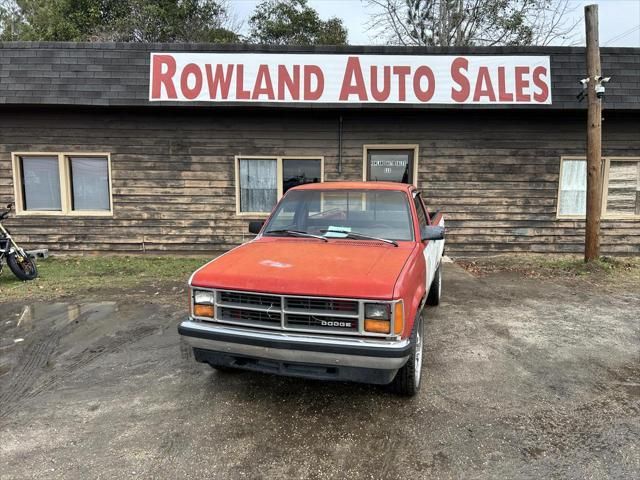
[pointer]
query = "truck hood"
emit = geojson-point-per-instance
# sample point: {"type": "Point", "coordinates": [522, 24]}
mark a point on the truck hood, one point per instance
{"type": "Point", "coordinates": [338, 268]}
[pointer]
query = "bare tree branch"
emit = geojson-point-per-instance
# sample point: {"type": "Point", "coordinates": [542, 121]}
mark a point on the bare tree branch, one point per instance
{"type": "Point", "coordinates": [472, 22]}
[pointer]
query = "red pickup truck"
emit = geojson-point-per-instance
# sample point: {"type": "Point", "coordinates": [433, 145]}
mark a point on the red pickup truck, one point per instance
{"type": "Point", "coordinates": [332, 287]}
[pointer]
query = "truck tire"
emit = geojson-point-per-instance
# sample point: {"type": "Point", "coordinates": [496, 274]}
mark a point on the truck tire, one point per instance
{"type": "Point", "coordinates": [407, 381]}
{"type": "Point", "coordinates": [22, 267]}
{"type": "Point", "coordinates": [433, 299]}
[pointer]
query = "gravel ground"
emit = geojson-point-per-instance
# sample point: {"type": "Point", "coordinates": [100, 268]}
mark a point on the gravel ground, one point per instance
{"type": "Point", "coordinates": [523, 378]}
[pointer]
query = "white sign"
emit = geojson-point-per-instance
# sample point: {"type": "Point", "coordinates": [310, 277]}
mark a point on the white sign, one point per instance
{"type": "Point", "coordinates": [311, 78]}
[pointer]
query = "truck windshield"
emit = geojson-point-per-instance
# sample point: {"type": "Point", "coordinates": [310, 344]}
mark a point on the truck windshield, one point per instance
{"type": "Point", "coordinates": [338, 213]}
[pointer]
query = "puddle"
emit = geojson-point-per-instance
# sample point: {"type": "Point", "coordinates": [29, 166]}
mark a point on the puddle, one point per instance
{"type": "Point", "coordinates": [60, 313]}
{"type": "Point", "coordinates": [38, 325]}
{"type": "Point", "coordinates": [632, 389]}
{"type": "Point", "coordinates": [43, 343]}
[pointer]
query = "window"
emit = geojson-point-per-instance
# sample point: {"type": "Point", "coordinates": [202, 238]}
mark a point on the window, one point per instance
{"type": "Point", "coordinates": [620, 192]}
{"type": "Point", "coordinates": [622, 195]}
{"type": "Point", "coordinates": [40, 183]}
{"type": "Point", "coordinates": [261, 181]}
{"type": "Point", "coordinates": [334, 213]}
{"type": "Point", "coordinates": [298, 172]}
{"type": "Point", "coordinates": [62, 184]}
{"type": "Point", "coordinates": [89, 183]}
{"type": "Point", "coordinates": [572, 194]}
{"type": "Point", "coordinates": [422, 216]}
{"type": "Point", "coordinates": [390, 163]}
{"type": "Point", "coordinates": [258, 185]}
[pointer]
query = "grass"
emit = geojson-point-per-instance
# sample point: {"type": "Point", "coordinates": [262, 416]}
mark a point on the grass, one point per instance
{"type": "Point", "coordinates": [573, 266]}
{"type": "Point", "coordinates": [76, 275]}
{"type": "Point", "coordinates": [65, 276]}
{"type": "Point", "coordinates": [577, 266]}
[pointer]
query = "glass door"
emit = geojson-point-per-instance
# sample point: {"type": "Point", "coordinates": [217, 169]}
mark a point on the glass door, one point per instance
{"type": "Point", "coordinates": [390, 165]}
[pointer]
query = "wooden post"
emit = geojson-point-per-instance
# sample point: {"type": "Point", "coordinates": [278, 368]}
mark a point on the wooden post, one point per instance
{"type": "Point", "coordinates": [594, 137]}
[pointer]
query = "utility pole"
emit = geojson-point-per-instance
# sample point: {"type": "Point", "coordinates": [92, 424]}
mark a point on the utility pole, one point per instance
{"type": "Point", "coordinates": [594, 137]}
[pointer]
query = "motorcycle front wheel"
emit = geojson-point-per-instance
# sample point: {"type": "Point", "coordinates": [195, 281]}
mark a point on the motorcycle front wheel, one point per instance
{"type": "Point", "coordinates": [22, 267]}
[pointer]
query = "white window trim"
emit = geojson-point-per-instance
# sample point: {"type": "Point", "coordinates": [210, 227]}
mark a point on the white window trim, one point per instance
{"type": "Point", "coordinates": [392, 146]}
{"type": "Point", "coordinates": [605, 189]}
{"type": "Point", "coordinates": [606, 164]}
{"type": "Point", "coordinates": [65, 185]}
{"type": "Point", "coordinates": [279, 177]}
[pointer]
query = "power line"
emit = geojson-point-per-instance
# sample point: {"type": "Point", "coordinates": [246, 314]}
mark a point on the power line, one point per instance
{"type": "Point", "coordinates": [622, 35]}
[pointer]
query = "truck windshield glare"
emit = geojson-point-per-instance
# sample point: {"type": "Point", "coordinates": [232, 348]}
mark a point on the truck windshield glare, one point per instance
{"type": "Point", "coordinates": [336, 213]}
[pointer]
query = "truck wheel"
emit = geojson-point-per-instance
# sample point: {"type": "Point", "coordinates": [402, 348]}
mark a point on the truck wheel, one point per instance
{"type": "Point", "coordinates": [435, 291]}
{"type": "Point", "coordinates": [407, 380]}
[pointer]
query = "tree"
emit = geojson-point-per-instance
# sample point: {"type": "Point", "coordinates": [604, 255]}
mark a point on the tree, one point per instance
{"type": "Point", "coordinates": [11, 21]}
{"type": "Point", "coordinates": [117, 20]}
{"type": "Point", "coordinates": [472, 22]}
{"type": "Point", "coordinates": [293, 22]}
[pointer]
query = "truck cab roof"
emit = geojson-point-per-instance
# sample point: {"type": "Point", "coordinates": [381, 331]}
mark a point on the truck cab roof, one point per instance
{"type": "Point", "coordinates": [405, 187]}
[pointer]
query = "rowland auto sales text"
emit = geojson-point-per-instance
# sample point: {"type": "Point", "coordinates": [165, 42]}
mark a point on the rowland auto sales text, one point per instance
{"type": "Point", "coordinates": [322, 78]}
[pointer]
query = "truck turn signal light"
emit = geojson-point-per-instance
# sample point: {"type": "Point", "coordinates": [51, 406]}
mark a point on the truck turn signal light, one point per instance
{"type": "Point", "coordinates": [203, 310]}
{"type": "Point", "coordinates": [377, 326]}
{"type": "Point", "coordinates": [398, 319]}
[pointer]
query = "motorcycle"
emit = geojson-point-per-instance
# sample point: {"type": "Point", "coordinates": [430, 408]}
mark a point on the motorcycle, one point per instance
{"type": "Point", "coordinates": [20, 263]}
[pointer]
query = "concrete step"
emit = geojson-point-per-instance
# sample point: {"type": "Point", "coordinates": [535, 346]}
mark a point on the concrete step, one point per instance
{"type": "Point", "coordinates": [39, 253]}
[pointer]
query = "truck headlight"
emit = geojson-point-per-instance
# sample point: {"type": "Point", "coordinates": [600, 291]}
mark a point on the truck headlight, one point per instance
{"type": "Point", "coordinates": [377, 318]}
{"type": "Point", "coordinates": [203, 303]}
{"type": "Point", "coordinates": [203, 297]}
{"type": "Point", "coordinates": [377, 311]}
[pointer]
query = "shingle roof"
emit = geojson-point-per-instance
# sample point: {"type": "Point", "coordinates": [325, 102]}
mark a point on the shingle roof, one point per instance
{"type": "Point", "coordinates": [117, 74]}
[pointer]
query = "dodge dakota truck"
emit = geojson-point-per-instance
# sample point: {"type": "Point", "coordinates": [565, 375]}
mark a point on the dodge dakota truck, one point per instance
{"type": "Point", "coordinates": [332, 287]}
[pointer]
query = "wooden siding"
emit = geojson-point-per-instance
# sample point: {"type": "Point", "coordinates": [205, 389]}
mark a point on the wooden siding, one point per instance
{"type": "Point", "coordinates": [494, 174]}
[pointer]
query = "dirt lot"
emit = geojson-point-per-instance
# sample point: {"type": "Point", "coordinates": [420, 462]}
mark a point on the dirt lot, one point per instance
{"type": "Point", "coordinates": [526, 377]}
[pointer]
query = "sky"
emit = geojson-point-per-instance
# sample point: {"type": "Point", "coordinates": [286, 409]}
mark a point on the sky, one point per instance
{"type": "Point", "coordinates": [619, 19]}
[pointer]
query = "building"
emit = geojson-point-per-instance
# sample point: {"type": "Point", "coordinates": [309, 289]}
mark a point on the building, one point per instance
{"type": "Point", "coordinates": [121, 147]}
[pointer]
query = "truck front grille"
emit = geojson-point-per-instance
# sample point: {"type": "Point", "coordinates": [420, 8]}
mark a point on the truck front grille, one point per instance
{"type": "Point", "coordinates": [250, 300]}
{"type": "Point", "coordinates": [321, 322]}
{"type": "Point", "coordinates": [253, 316]}
{"type": "Point", "coordinates": [291, 313]}
{"type": "Point", "coordinates": [322, 304]}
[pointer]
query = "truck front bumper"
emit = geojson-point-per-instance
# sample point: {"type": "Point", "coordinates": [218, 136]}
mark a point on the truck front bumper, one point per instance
{"type": "Point", "coordinates": [283, 353]}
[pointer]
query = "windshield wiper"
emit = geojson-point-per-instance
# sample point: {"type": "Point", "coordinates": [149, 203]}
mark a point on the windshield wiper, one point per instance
{"type": "Point", "coordinates": [361, 235]}
{"type": "Point", "coordinates": [298, 233]}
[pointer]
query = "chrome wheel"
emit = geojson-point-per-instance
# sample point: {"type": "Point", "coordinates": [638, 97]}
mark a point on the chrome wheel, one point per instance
{"type": "Point", "coordinates": [418, 354]}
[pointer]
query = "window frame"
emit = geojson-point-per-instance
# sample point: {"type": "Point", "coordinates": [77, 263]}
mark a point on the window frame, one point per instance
{"type": "Point", "coordinates": [64, 172]}
{"type": "Point", "coordinates": [417, 197]}
{"type": "Point", "coordinates": [279, 177]}
{"type": "Point", "coordinates": [606, 164]}
{"type": "Point", "coordinates": [605, 188]}
{"type": "Point", "coordinates": [391, 146]}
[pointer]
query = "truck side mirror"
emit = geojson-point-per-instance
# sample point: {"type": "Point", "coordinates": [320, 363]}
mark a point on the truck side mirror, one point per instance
{"type": "Point", "coordinates": [256, 226]}
{"type": "Point", "coordinates": [431, 232]}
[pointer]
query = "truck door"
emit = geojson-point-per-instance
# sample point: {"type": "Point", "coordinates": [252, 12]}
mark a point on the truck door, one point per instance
{"type": "Point", "coordinates": [430, 249]}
